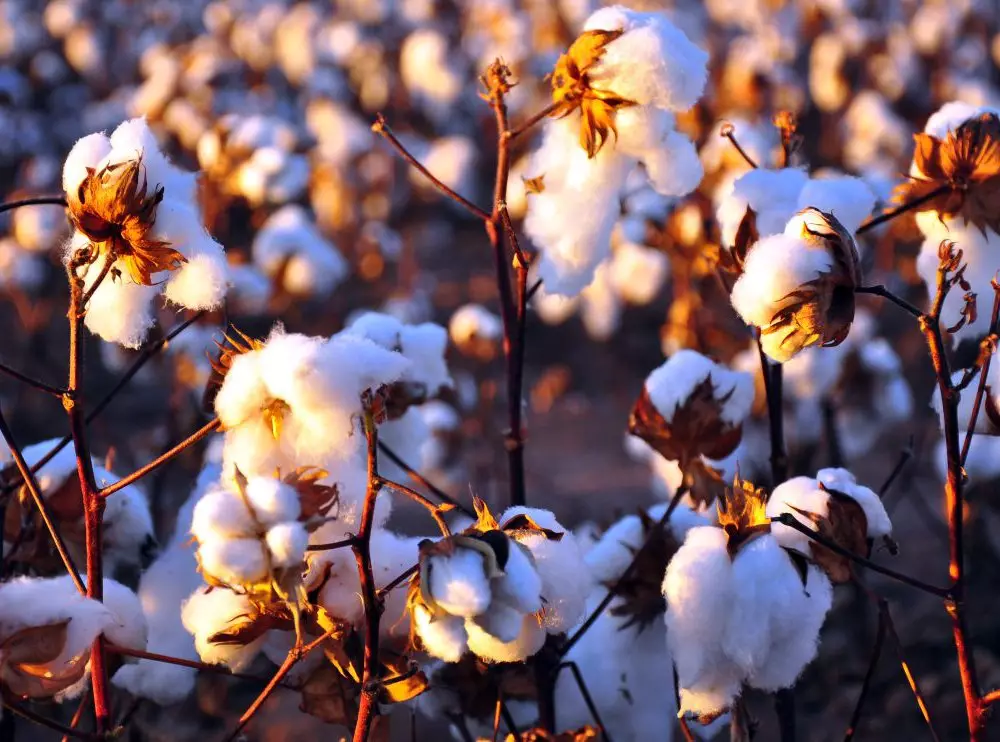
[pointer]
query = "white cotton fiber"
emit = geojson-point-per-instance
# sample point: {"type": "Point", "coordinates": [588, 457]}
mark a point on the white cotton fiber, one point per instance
{"type": "Point", "coordinates": [423, 345]}
{"type": "Point", "coordinates": [521, 585]}
{"type": "Point", "coordinates": [287, 543]}
{"type": "Point", "coordinates": [234, 561]}
{"type": "Point", "coordinates": [220, 514]}
{"type": "Point", "coordinates": [273, 501]}
{"type": "Point", "coordinates": [849, 199]}
{"type": "Point", "coordinates": [772, 194]}
{"type": "Point", "coordinates": [798, 493]}
{"type": "Point", "coordinates": [211, 610]}
{"type": "Point", "coordinates": [775, 267]}
{"type": "Point", "coordinates": [670, 385]}
{"type": "Point", "coordinates": [459, 584]}
{"type": "Point", "coordinates": [875, 513]}
{"type": "Point", "coordinates": [528, 641]}
{"type": "Point", "coordinates": [444, 637]}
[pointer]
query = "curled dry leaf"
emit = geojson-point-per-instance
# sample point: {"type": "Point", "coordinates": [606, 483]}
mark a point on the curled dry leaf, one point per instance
{"type": "Point", "coordinates": [732, 260]}
{"type": "Point", "coordinates": [965, 167]}
{"type": "Point", "coordinates": [819, 311]}
{"type": "Point", "coordinates": [572, 89]}
{"type": "Point", "coordinates": [743, 514]}
{"type": "Point", "coordinates": [113, 208]}
{"type": "Point", "coordinates": [316, 498]}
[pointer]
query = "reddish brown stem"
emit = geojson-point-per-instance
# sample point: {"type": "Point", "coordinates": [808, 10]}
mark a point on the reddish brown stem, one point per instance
{"type": "Point", "coordinates": [984, 371]}
{"type": "Point", "coordinates": [382, 128]}
{"type": "Point", "coordinates": [434, 509]}
{"type": "Point", "coordinates": [168, 660]}
{"type": "Point", "coordinates": [533, 120]}
{"type": "Point", "coordinates": [162, 459]}
{"type": "Point", "coordinates": [93, 505]}
{"type": "Point", "coordinates": [368, 704]}
{"type": "Point", "coordinates": [422, 480]}
{"type": "Point", "coordinates": [37, 201]}
{"type": "Point", "coordinates": [892, 213]}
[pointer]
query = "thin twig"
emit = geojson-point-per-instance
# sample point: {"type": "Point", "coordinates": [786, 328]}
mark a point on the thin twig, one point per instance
{"type": "Point", "coordinates": [397, 581]}
{"type": "Point", "coordinates": [37, 201]}
{"type": "Point", "coordinates": [343, 543]}
{"type": "Point", "coordinates": [866, 683]}
{"type": "Point", "coordinates": [35, 383]}
{"type": "Point", "coordinates": [180, 662]}
{"type": "Point", "coordinates": [532, 120]}
{"type": "Point", "coordinates": [587, 698]}
{"type": "Point", "coordinates": [983, 374]}
{"type": "Point", "coordinates": [43, 509]}
{"type": "Point", "coordinates": [886, 294]}
{"type": "Point", "coordinates": [43, 721]}
{"type": "Point", "coordinates": [892, 213]}
{"type": "Point", "coordinates": [422, 480]}
{"type": "Point", "coordinates": [162, 459]}
{"type": "Point", "coordinates": [729, 132]}
{"type": "Point", "coordinates": [787, 519]}
{"type": "Point", "coordinates": [382, 128]}
{"type": "Point", "coordinates": [78, 714]}
{"type": "Point", "coordinates": [911, 679]}
{"type": "Point", "coordinates": [434, 509]}
{"type": "Point", "coordinates": [904, 458]}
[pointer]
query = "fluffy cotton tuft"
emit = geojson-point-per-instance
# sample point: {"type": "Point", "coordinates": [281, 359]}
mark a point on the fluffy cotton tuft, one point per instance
{"type": "Point", "coordinates": [423, 345]}
{"type": "Point", "coordinates": [671, 384]}
{"type": "Point", "coordinates": [211, 610]}
{"type": "Point", "coordinates": [121, 311]}
{"type": "Point", "coordinates": [289, 245]}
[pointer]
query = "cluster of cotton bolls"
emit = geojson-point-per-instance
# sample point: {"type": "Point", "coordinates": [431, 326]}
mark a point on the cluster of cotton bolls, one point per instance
{"type": "Point", "coordinates": [160, 210]}
{"type": "Point", "coordinates": [497, 592]}
{"type": "Point", "coordinates": [743, 608]}
{"type": "Point", "coordinates": [47, 629]}
{"type": "Point", "coordinates": [653, 66]}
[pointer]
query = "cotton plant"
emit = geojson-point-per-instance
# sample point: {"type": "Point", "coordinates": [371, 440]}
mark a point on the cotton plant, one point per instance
{"type": "Point", "coordinates": [138, 233]}
{"type": "Point", "coordinates": [497, 588]}
{"type": "Point", "coordinates": [127, 538]}
{"type": "Point", "coordinates": [617, 91]}
{"type": "Point", "coordinates": [955, 171]}
{"type": "Point", "coordinates": [47, 630]}
{"type": "Point", "coordinates": [476, 331]}
{"type": "Point", "coordinates": [746, 599]}
{"type": "Point", "coordinates": [298, 260]}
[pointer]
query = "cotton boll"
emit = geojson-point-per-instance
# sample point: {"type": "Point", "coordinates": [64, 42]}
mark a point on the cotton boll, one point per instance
{"type": "Point", "coordinates": [128, 629]}
{"type": "Point", "coordinates": [501, 621]}
{"type": "Point", "coordinates": [849, 199]}
{"type": "Point", "coordinates": [670, 385]}
{"type": "Point", "coordinates": [638, 272]}
{"type": "Point", "coordinates": [458, 583]}
{"type": "Point", "coordinates": [443, 637]}
{"type": "Point", "coordinates": [128, 527]}
{"type": "Point", "coordinates": [528, 641]}
{"type": "Point", "coordinates": [422, 344]}
{"type": "Point", "coordinates": [287, 543]}
{"type": "Point", "coordinates": [211, 610]}
{"type": "Point", "coordinates": [288, 242]}
{"type": "Point", "coordinates": [273, 501]}
{"type": "Point", "coordinates": [236, 561]}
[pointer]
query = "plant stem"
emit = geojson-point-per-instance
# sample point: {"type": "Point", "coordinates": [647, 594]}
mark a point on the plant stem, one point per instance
{"type": "Point", "coordinates": [35, 383]}
{"type": "Point", "coordinates": [892, 213]}
{"type": "Point", "coordinates": [983, 374]}
{"type": "Point", "coordinates": [37, 201]}
{"type": "Point", "coordinates": [531, 121]}
{"type": "Point", "coordinates": [866, 683]}
{"type": "Point", "coordinates": [422, 480]}
{"type": "Point", "coordinates": [93, 505]}
{"type": "Point", "coordinates": [367, 707]}
{"type": "Point", "coordinates": [433, 509]}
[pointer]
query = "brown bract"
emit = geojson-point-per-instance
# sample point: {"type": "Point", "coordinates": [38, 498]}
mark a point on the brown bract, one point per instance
{"type": "Point", "coordinates": [113, 208]}
{"type": "Point", "coordinates": [965, 167]}
{"type": "Point", "coordinates": [572, 90]}
{"type": "Point", "coordinates": [696, 428]}
{"type": "Point", "coordinates": [743, 514]}
{"type": "Point", "coordinates": [25, 658]}
{"type": "Point", "coordinates": [820, 311]}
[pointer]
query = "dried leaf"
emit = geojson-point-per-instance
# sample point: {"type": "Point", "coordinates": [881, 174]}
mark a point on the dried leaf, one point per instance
{"type": "Point", "coordinates": [330, 697]}
{"type": "Point", "coordinates": [534, 185]}
{"type": "Point", "coordinates": [35, 645]}
{"type": "Point", "coordinates": [640, 595]}
{"type": "Point", "coordinates": [743, 514]}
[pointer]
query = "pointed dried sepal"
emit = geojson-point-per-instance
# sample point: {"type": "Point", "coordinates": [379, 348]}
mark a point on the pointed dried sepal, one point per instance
{"type": "Point", "coordinates": [743, 514]}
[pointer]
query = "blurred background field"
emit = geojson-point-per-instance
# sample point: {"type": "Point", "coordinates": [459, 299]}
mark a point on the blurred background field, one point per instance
{"type": "Point", "coordinates": [273, 102]}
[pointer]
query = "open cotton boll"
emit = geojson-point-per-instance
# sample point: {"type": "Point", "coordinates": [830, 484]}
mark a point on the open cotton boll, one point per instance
{"type": "Point", "coordinates": [502, 622]}
{"type": "Point", "coordinates": [843, 481]}
{"type": "Point", "coordinates": [443, 637]}
{"type": "Point", "coordinates": [459, 584]}
{"type": "Point", "coordinates": [652, 62]}
{"type": "Point", "coordinates": [472, 321]}
{"type": "Point", "coordinates": [772, 194]}
{"type": "Point", "coordinates": [210, 610]}
{"type": "Point", "coordinates": [428, 72]}
{"type": "Point", "coordinates": [200, 283]}
{"type": "Point", "coordinates": [121, 312]}
{"type": "Point", "coordinates": [849, 199]}
{"type": "Point", "coordinates": [672, 383]}
{"type": "Point", "coordinates": [698, 586]}
{"type": "Point", "coordinates": [422, 344]}
{"type": "Point", "coordinates": [487, 647]}
{"type": "Point", "coordinates": [234, 561]}
{"type": "Point", "coordinates": [128, 626]}
{"type": "Point", "coordinates": [775, 267]}
{"type": "Point", "coordinates": [128, 527]}
{"type": "Point", "coordinates": [287, 543]}
{"type": "Point", "coordinates": [86, 153]}
{"type": "Point", "coordinates": [565, 582]}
